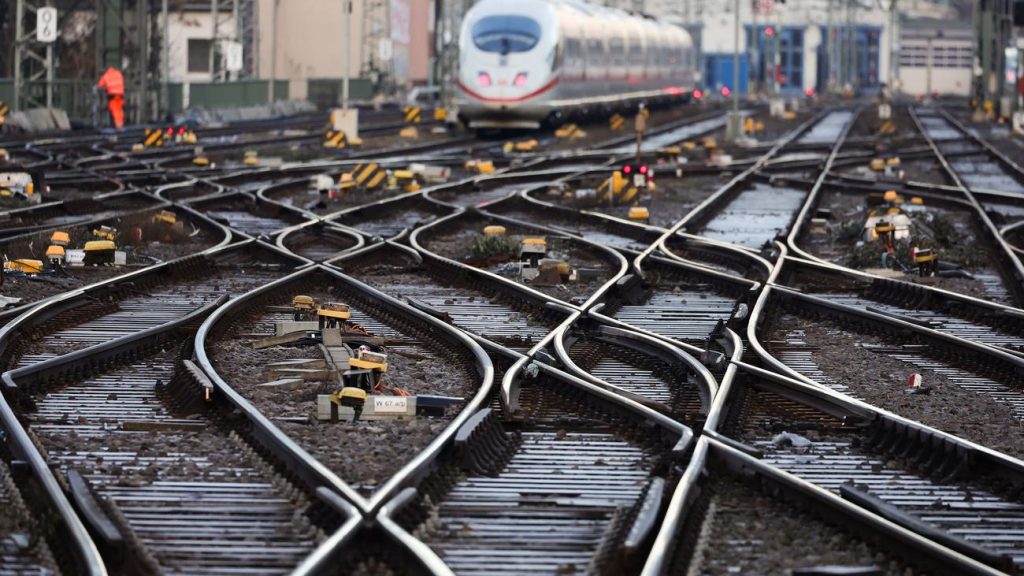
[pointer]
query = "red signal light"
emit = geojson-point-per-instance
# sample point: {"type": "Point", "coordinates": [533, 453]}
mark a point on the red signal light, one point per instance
{"type": "Point", "coordinates": [643, 169]}
{"type": "Point", "coordinates": [181, 130]}
{"type": "Point", "coordinates": [726, 91]}
{"type": "Point", "coordinates": [698, 94]}
{"type": "Point", "coordinates": [769, 31]}
{"type": "Point", "coordinates": [809, 91]}
{"type": "Point", "coordinates": [627, 169]}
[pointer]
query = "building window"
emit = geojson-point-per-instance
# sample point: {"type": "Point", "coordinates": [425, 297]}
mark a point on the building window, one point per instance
{"type": "Point", "coordinates": [198, 55]}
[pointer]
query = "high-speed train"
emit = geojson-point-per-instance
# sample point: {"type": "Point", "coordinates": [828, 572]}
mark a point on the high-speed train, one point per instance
{"type": "Point", "coordinates": [532, 62]}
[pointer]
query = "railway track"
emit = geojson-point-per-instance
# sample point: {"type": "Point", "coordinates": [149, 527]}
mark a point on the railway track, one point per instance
{"type": "Point", "coordinates": [422, 360]}
{"type": "Point", "coordinates": [169, 489]}
{"type": "Point", "coordinates": [914, 476]}
{"type": "Point", "coordinates": [149, 298]}
{"type": "Point", "coordinates": [606, 425]}
{"type": "Point", "coordinates": [494, 497]}
{"type": "Point", "coordinates": [483, 306]}
{"type": "Point", "coordinates": [803, 332]}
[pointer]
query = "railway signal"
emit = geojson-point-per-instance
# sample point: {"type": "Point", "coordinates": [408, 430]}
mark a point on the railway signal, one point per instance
{"type": "Point", "coordinates": [640, 174]}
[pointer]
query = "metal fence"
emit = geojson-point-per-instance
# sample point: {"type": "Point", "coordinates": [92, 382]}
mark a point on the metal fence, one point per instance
{"type": "Point", "coordinates": [78, 98]}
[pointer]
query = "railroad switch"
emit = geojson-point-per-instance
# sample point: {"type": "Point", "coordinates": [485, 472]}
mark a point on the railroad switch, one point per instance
{"type": "Point", "coordinates": [331, 314]}
{"type": "Point", "coordinates": [926, 259]}
{"type": "Point", "coordinates": [305, 308]}
{"type": "Point", "coordinates": [532, 250]}
{"type": "Point", "coordinates": [551, 272]}
{"type": "Point", "coordinates": [570, 132]}
{"type": "Point", "coordinates": [409, 133]}
{"type": "Point", "coordinates": [479, 166]}
{"type": "Point", "coordinates": [354, 398]}
{"type": "Point", "coordinates": [165, 217]}
{"type": "Point", "coordinates": [404, 179]}
{"type": "Point", "coordinates": [430, 173]}
{"type": "Point", "coordinates": [102, 252]}
{"type": "Point", "coordinates": [25, 266]}
{"type": "Point", "coordinates": [60, 238]}
{"type": "Point", "coordinates": [251, 158]}
{"type": "Point", "coordinates": [19, 188]}
{"type": "Point", "coordinates": [105, 233]}
{"type": "Point", "coordinates": [639, 214]}
{"type": "Point", "coordinates": [521, 146]}
{"type": "Point", "coordinates": [55, 255]}
{"type": "Point", "coordinates": [494, 230]}
{"type": "Point", "coordinates": [751, 126]}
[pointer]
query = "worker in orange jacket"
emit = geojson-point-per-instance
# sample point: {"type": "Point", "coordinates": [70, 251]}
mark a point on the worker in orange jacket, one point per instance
{"type": "Point", "coordinates": [113, 82]}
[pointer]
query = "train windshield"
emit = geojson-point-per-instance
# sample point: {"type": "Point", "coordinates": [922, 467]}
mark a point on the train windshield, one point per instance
{"type": "Point", "coordinates": [506, 34]}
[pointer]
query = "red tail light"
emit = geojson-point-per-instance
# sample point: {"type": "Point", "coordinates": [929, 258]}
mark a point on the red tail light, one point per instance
{"type": "Point", "coordinates": [485, 79]}
{"type": "Point", "coordinates": [520, 79]}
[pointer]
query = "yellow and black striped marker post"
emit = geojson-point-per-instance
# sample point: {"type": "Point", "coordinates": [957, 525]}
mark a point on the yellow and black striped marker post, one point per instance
{"type": "Point", "coordinates": [628, 195]}
{"type": "Point", "coordinates": [369, 176]}
{"type": "Point", "coordinates": [412, 114]}
{"type": "Point", "coordinates": [611, 187]}
{"type": "Point", "coordinates": [616, 122]}
{"type": "Point", "coordinates": [334, 139]}
{"type": "Point", "coordinates": [887, 127]}
{"type": "Point", "coordinates": [440, 114]}
{"type": "Point", "coordinates": [153, 137]}
{"type": "Point", "coordinates": [4, 111]}
{"type": "Point", "coordinates": [570, 132]}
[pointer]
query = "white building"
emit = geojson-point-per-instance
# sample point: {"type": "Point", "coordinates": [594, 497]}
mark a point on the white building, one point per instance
{"type": "Point", "coordinates": [791, 42]}
{"type": "Point", "coordinates": [936, 56]}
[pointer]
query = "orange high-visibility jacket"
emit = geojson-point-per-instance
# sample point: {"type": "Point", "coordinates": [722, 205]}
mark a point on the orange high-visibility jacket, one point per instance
{"type": "Point", "coordinates": [112, 81]}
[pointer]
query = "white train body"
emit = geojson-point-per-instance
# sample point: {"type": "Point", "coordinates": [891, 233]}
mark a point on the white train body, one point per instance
{"type": "Point", "coordinates": [525, 62]}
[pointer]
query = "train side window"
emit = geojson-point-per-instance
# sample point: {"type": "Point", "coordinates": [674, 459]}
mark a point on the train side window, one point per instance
{"type": "Point", "coordinates": [616, 48]}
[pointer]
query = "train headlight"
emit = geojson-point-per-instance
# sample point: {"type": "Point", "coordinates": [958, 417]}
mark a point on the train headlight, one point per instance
{"type": "Point", "coordinates": [520, 79]}
{"type": "Point", "coordinates": [485, 79]}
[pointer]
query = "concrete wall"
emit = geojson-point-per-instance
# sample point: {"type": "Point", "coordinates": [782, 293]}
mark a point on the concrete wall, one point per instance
{"type": "Point", "coordinates": [420, 48]}
{"type": "Point", "coordinates": [310, 38]}
{"type": "Point", "coordinates": [183, 26]}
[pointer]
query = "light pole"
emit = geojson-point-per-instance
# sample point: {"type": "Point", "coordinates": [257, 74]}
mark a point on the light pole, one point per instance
{"type": "Point", "coordinates": [271, 85]}
{"type": "Point", "coordinates": [734, 126]}
{"type": "Point", "coordinates": [348, 46]}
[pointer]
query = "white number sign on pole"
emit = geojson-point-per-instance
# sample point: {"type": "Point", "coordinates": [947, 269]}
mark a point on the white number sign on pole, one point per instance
{"type": "Point", "coordinates": [46, 24]}
{"type": "Point", "coordinates": [233, 56]}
